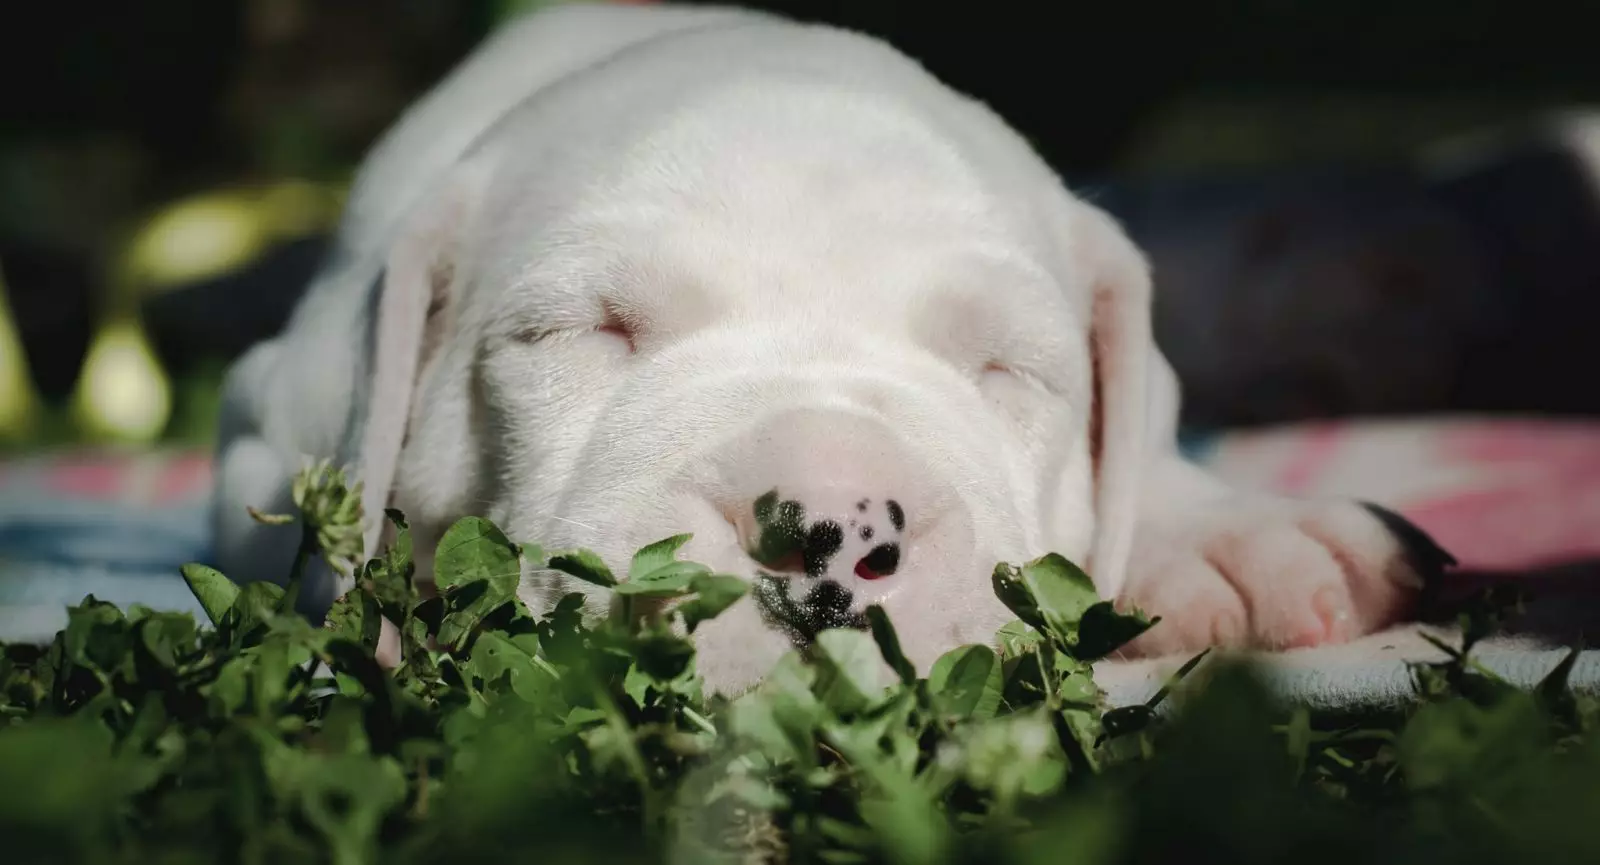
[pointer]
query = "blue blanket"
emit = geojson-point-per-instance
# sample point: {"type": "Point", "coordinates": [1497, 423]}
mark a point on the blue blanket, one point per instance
{"type": "Point", "coordinates": [114, 527]}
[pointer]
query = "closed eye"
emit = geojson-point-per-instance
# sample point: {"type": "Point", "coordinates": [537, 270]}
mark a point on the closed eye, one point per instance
{"type": "Point", "coordinates": [618, 325]}
{"type": "Point", "coordinates": [997, 368]}
{"type": "Point", "coordinates": [613, 327]}
{"type": "Point", "coordinates": [620, 331]}
{"type": "Point", "coordinates": [1000, 373]}
{"type": "Point", "coordinates": [534, 335]}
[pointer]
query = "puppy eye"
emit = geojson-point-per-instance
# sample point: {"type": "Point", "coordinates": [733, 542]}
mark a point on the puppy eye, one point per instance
{"type": "Point", "coordinates": [532, 335]}
{"type": "Point", "coordinates": [618, 331]}
{"type": "Point", "coordinates": [616, 327]}
{"type": "Point", "coordinates": [994, 369]}
{"type": "Point", "coordinates": [1004, 380]}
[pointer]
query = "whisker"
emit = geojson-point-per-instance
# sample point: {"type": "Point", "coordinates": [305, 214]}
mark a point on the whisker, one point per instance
{"type": "Point", "coordinates": [576, 523]}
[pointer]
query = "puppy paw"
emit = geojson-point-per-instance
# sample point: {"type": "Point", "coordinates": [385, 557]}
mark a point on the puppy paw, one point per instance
{"type": "Point", "coordinates": [1256, 571]}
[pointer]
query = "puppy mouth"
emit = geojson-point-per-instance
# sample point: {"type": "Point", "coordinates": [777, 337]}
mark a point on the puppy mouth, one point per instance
{"type": "Point", "coordinates": [825, 605]}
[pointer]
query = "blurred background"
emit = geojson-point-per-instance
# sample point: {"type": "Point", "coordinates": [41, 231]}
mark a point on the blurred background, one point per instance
{"type": "Point", "coordinates": [1375, 229]}
{"type": "Point", "coordinates": [1314, 181]}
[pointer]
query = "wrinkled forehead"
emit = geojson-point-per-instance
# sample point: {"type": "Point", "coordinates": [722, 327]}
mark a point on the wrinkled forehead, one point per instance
{"type": "Point", "coordinates": [870, 215]}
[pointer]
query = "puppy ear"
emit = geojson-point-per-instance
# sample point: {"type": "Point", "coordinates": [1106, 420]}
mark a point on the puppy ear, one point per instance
{"type": "Point", "coordinates": [414, 307]}
{"type": "Point", "coordinates": [1122, 349]}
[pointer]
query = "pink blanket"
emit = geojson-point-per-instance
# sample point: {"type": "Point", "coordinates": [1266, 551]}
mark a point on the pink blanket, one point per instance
{"type": "Point", "coordinates": [1500, 495]}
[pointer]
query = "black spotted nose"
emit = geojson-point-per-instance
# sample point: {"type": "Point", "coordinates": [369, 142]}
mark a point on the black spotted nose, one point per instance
{"type": "Point", "coordinates": [842, 535]}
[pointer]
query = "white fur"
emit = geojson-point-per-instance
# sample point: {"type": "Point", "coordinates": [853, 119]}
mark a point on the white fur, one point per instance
{"type": "Point", "coordinates": [841, 278]}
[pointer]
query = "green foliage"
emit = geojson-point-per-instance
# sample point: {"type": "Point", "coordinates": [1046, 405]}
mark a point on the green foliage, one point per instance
{"type": "Point", "coordinates": [506, 736]}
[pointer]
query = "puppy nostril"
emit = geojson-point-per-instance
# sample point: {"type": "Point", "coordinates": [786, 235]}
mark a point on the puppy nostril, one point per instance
{"type": "Point", "coordinates": [778, 539]}
{"type": "Point", "coordinates": [883, 561]}
{"type": "Point", "coordinates": [822, 543]}
{"type": "Point", "coordinates": [897, 515]}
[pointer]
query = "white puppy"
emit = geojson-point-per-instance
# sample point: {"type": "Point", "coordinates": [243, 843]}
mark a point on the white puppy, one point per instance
{"type": "Point", "coordinates": [637, 271]}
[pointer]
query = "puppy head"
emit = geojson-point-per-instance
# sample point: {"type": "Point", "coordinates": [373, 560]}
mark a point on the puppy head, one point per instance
{"type": "Point", "coordinates": [843, 398]}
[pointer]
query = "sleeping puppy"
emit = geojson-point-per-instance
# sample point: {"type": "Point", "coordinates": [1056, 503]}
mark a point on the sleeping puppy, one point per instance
{"type": "Point", "coordinates": [637, 271]}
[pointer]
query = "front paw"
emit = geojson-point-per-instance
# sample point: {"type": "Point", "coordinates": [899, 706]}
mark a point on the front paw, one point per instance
{"type": "Point", "coordinates": [1259, 571]}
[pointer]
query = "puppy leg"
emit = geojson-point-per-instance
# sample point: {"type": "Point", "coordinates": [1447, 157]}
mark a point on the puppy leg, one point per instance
{"type": "Point", "coordinates": [250, 472]}
{"type": "Point", "coordinates": [1236, 568]}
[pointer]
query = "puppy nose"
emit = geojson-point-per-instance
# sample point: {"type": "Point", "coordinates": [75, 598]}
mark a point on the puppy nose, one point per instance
{"type": "Point", "coordinates": [833, 531]}
{"type": "Point", "coordinates": [835, 493]}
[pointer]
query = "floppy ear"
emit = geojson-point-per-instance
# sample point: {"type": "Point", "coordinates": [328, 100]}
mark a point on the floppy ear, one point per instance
{"type": "Point", "coordinates": [413, 308]}
{"type": "Point", "coordinates": [1123, 353]}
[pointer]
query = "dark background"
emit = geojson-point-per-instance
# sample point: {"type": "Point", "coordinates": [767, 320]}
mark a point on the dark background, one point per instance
{"type": "Point", "coordinates": [110, 109]}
